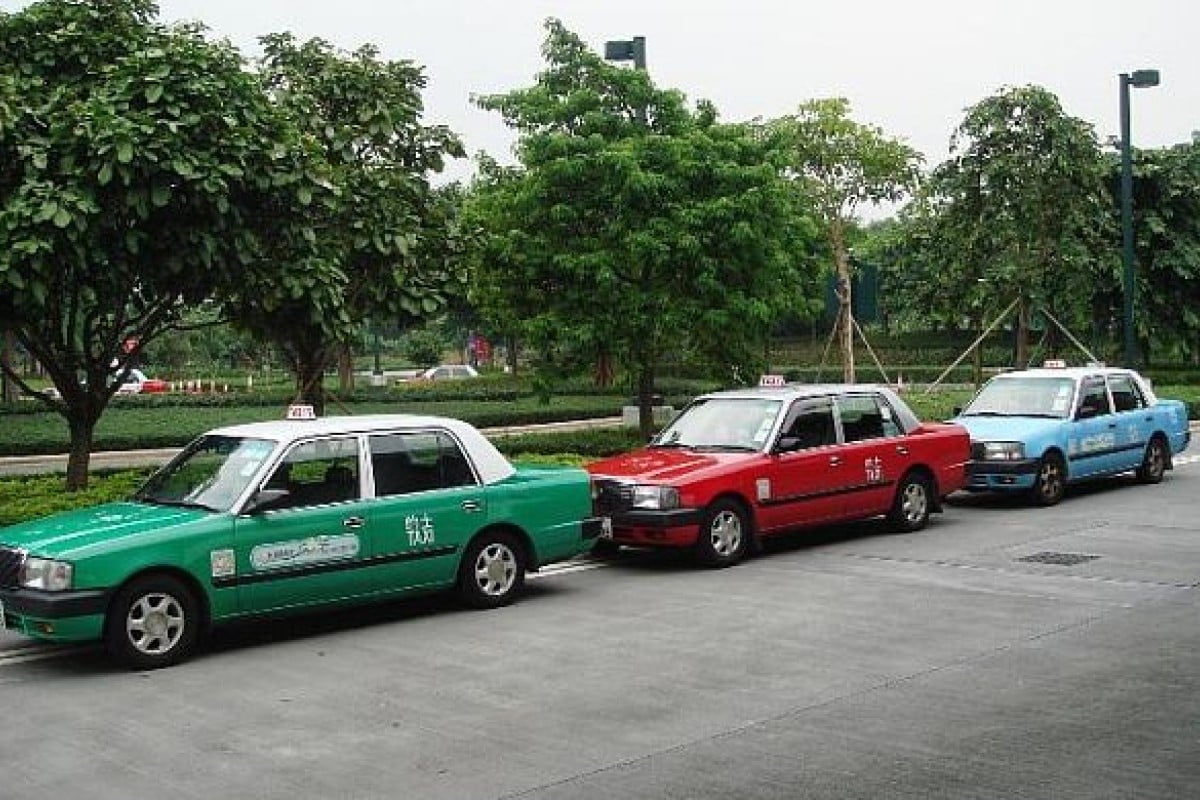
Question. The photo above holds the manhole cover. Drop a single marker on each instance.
(1058, 559)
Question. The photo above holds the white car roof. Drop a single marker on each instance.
(490, 462)
(1078, 373)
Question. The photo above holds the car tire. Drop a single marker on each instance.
(724, 536)
(492, 572)
(1154, 462)
(910, 509)
(1051, 482)
(153, 622)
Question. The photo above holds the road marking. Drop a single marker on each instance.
(35, 652)
(567, 568)
(1183, 461)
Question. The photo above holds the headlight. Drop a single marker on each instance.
(1003, 451)
(46, 574)
(655, 497)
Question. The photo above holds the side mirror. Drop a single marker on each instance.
(787, 444)
(264, 500)
(1086, 412)
(954, 412)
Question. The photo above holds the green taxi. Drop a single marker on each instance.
(274, 517)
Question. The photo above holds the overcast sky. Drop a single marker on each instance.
(909, 66)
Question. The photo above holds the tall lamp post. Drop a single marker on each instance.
(627, 50)
(1139, 79)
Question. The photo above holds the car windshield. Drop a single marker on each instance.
(722, 423)
(1023, 397)
(211, 473)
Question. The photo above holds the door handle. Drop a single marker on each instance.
(471, 506)
(1112, 425)
(835, 461)
(901, 449)
(352, 523)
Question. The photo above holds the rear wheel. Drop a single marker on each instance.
(1051, 483)
(910, 509)
(724, 534)
(1154, 463)
(492, 571)
(153, 622)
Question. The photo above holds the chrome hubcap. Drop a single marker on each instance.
(155, 623)
(915, 503)
(495, 569)
(726, 533)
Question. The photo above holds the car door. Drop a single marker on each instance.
(1135, 421)
(803, 477)
(428, 504)
(1092, 442)
(311, 545)
(875, 455)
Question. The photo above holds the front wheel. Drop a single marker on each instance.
(1051, 482)
(724, 534)
(1154, 463)
(153, 622)
(910, 509)
(492, 571)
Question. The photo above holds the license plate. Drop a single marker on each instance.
(606, 528)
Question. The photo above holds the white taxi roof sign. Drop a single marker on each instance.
(772, 381)
(301, 411)
(1055, 363)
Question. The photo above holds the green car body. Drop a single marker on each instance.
(428, 504)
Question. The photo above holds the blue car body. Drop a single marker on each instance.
(1037, 430)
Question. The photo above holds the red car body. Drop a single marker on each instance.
(795, 456)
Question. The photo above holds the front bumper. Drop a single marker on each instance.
(677, 527)
(1001, 475)
(57, 616)
(596, 527)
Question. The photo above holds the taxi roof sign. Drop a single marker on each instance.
(1055, 363)
(301, 411)
(772, 381)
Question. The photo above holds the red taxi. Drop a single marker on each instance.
(739, 465)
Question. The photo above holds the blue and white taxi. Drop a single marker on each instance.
(1037, 430)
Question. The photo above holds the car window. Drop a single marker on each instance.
(811, 422)
(1125, 393)
(864, 417)
(316, 473)
(418, 461)
(1093, 398)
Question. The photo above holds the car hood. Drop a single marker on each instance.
(661, 465)
(70, 533)
(1007, 429)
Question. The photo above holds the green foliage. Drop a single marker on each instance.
(634, 224)
(141, 169)
(36, 496)
(1018, 212)
(384, 237)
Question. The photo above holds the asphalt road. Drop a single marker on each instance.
(848, 663)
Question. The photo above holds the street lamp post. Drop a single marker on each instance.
(1139, 79)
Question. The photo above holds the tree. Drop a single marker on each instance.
(1167, 235)
(1020, 208)
(841, 163)
(386, 240)
(141, 170)
(634, 225)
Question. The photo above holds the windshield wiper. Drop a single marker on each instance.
(735, 448)
(986, 414)
(158, 501)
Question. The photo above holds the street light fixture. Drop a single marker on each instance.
(627, 50)
(1139, 79)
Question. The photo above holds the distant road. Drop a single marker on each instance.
(126, 459)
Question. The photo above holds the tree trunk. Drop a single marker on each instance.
(8, 387)
(310, 388)
(845, 317)
(645, 397)
(345, 369)
(1021, 355)
(82, 427)
(604, 370)
(511, 355)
